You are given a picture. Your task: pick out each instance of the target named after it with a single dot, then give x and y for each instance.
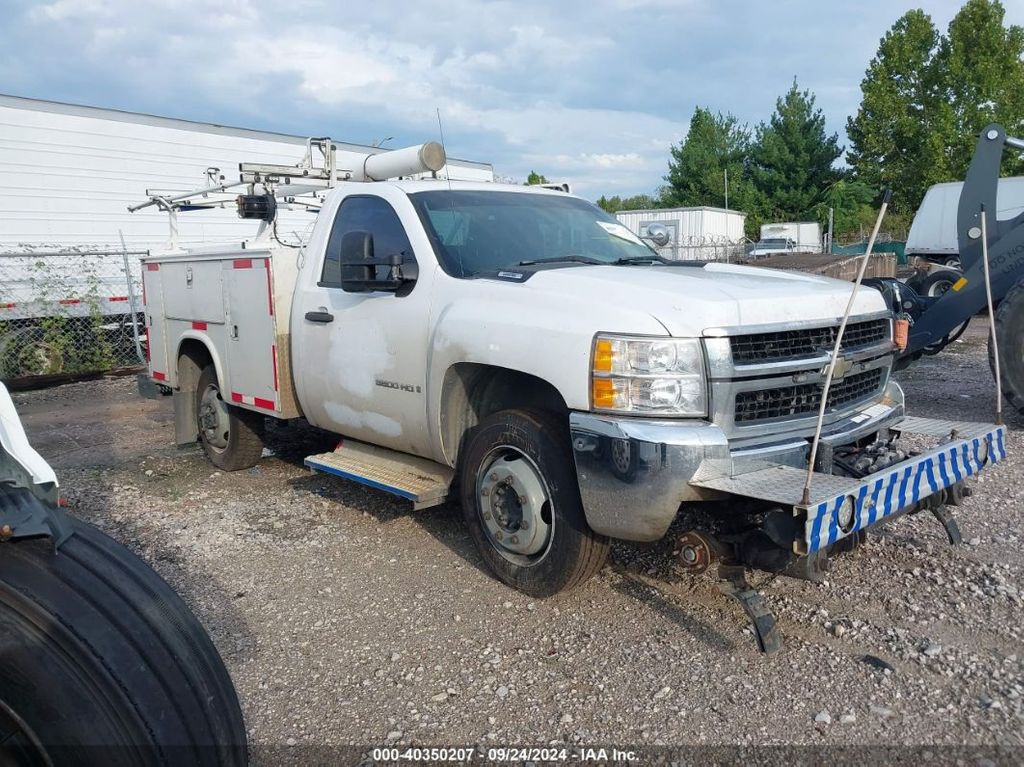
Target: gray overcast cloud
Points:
(590, 92)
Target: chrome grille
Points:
(803, 399)
(805, 342)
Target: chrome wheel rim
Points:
(214, 422)
(514, 505)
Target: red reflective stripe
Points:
(273, 358)
(118, 298)
(242, 263)
(70, 301)
(236, 397)
(266, 404)
(7, 306)
(143, 290)
(159, 376)
(270, 291)
(199, 326)
(152, 267)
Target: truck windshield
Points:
(773, 244)
(476, 232)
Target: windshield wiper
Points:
(654, 259)
(564, 259)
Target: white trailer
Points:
(788, 237)
(702, 233)
(69, 248)
(933, 232)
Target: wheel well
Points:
(193, 356)
(473, 391)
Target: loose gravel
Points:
(346, 618)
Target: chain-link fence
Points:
(65, 312)
(707, 248)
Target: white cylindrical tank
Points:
(403, 162)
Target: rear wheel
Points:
(231, 436)
(1010, 332)
(103, 662)
(521, 503)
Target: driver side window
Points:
(373, 216)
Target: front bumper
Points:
(634, 473)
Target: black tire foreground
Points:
(576, 552)
(1010, 329)
(102, 663)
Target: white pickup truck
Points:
(518, 349)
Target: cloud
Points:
(590, 91)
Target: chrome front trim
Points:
(633, 473)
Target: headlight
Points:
(653, 376)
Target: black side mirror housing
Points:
(359, 267)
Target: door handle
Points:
(323, 317)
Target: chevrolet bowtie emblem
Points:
(843, 366)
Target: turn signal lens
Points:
(603, 355)
(603, 393)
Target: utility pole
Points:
(726, 188)
(829, 248)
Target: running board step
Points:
(419, 480)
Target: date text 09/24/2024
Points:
(501, 754)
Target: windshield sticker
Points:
(618, 230)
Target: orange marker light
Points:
(603, 356)
(603, 392)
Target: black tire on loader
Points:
(938, 282)
(103, 664)
(1010, 332)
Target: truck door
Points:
(361, 361)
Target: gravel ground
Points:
(346, 618)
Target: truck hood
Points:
(692, 300)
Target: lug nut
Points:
(487, 515)
(499, 535)
(522, 500)
(485, 491)
(515, 539)
(524, 525)
(493, 477)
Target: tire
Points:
(1010, 331)
(231, 436)
(528, 451)
(953, 262)
(938, 282)
(103, 662)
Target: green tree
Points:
(894, 141)
(792, 157)
(535, 178)
(715, 148)
(850, 200)
(636, 202)
(980, 68)
(925, 98)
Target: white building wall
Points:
(697, 233)
(68, 174)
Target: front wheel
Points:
(230, 435)
(521, 503)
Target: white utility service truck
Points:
(519, 351)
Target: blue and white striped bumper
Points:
(883, 494)
(962, 451)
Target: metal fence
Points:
(70, 312)
(709, 248)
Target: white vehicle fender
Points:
(211, 348)
(547, 340)
(20, 463)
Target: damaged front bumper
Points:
(634, 473)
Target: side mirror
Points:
(658, 234)
(359, 266)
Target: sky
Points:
(592, 92)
